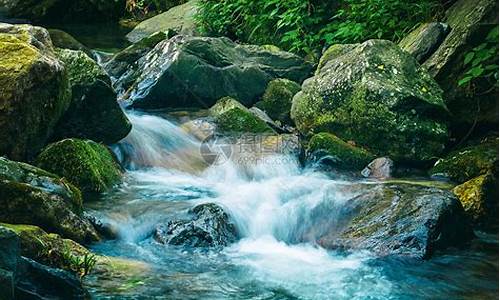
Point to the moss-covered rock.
(34, 90)
(86, 164)
(470, 22)
(197, 71)
(479, 197)
(29, 195)
(125, 59)
(468, 162)
(424, 40)
(63, 40)
(377, 95)
(277, 99)
(179, 19)
(94, 112)
(410, 219)
(343, 155)
(232, 117)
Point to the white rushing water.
(278, 206)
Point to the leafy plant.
(82, 265)
(307, 26)
(482, 61)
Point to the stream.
(271, 204)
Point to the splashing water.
(279, 209)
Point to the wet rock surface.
(209, 226)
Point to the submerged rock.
(94, 112)
(88, 165)
(29, 195)
(470, 22)
(196, 72)
(379, 168)
(209, 226)
(337, 152)
(34, 90)
(423, 41)
(376, 95)
(469, 162)
(402, 219)
(179, 19)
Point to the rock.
(9, 253)
(400, 219)
(479, 197)
(376, 95)
(224, 105)
(277, 99)
(337, 152)
(94, 112)
(259, 113)
(202, 128)
(179, 19)
(196, 72)
(379, 168)
(209, 226)
(424, 40)
(64, 40)
(470, 22)
(39, 282)
(469, 162)
(34, 90)
(29, 195)
(62, 11)
(125, 59)
(86, 164)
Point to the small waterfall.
(157, 142)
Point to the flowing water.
(273, 203)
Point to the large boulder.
(86, 164)
(196, 71)
(408, 219)
(60, 11)
(424, 40)
(340, 154)
(470, 22)
(277, 99)
(208, 226)
(29, 195)
(468, 162)
(34, 90)
(9, 253)
(126, 59)
(179, 19)
(94, 112)
(376, 95)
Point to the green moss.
(345, 156)
(86, 164)
(225, 104)
(277, 99)
(238, 120)
(469, 162)
(81, 69)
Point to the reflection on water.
(272, 206)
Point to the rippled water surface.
(272, 205)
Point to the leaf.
(469, 57)
(464, 80)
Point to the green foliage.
(81, 264)
(141, 8)
(308, 26)
(482, 61)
